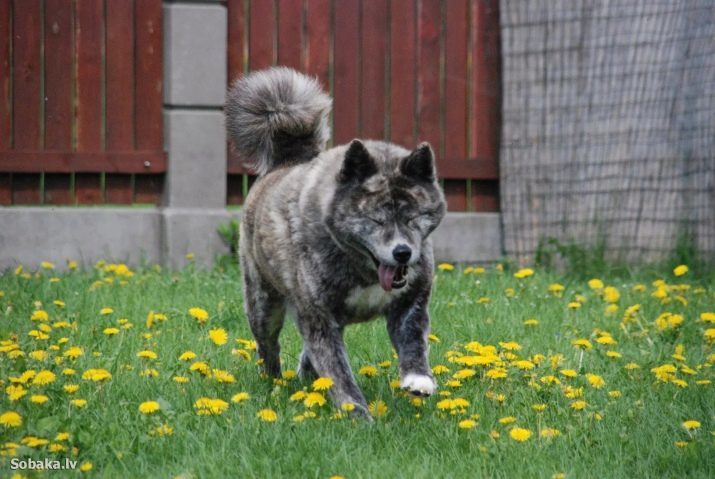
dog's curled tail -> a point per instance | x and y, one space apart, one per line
276 117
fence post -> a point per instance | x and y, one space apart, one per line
194 92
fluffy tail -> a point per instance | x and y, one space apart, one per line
276 117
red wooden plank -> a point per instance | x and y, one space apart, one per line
141 162
148 75
486 86
5 76
148 189
118 189
58 93
346 88
5 101
89 40
455 191
120 93
475 169
57 189
26 189
374 45
260 42
236 31
455 87
290 33
403 61
428 72
234 190
317 43
5 189
485 195
27 26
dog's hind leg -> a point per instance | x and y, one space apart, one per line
408 327
324 349
306 371
265 309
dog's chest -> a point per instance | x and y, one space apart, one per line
364 303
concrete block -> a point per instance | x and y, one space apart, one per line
195 54
188 230
468 237
30 235
196 143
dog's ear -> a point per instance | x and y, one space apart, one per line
358 165
420 163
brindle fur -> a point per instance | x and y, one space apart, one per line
314 226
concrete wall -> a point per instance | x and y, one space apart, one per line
195 190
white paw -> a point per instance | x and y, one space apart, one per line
418 384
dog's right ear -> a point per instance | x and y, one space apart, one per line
358 165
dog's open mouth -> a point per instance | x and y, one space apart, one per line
392 277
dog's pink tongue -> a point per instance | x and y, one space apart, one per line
386 274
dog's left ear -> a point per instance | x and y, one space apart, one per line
420 163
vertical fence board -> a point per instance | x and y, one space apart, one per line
236 32
403 61
5 102
346 84
27 24
317 43
261 30
120 93
455 98
58 93
148 92
428 73
374 45
290 33
486 86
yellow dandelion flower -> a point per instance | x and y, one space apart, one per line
520 434
680 270
180 379
494 434
569 373
582 343
691 424
524 273
210 407
47 265
596 284
106 311
146 354
314 399
445 267
86 467
62 436
40 315
578 405
39 398
707 317
595 380
433 338
531 322
222 376
44 377
507 420
709 335
347 406
322 384
539 407
96 375
199 314
149 407
524 364
496 373
464 374
298 396
466 424
187 356
378 408
267 415
10 419
369 371
573 305
240 397
201 367
79 403
631 366
219 336
440 369
611 294
70 388
614 394
556 289
510 345
613 354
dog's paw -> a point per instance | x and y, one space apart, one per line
418 384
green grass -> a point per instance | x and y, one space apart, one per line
632 435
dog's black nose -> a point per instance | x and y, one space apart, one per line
402 253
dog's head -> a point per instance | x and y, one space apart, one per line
386 204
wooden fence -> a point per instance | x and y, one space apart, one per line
400 70
81 101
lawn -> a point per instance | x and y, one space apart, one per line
540 375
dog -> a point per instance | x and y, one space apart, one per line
334 236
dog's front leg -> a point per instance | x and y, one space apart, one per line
408 327
324 347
